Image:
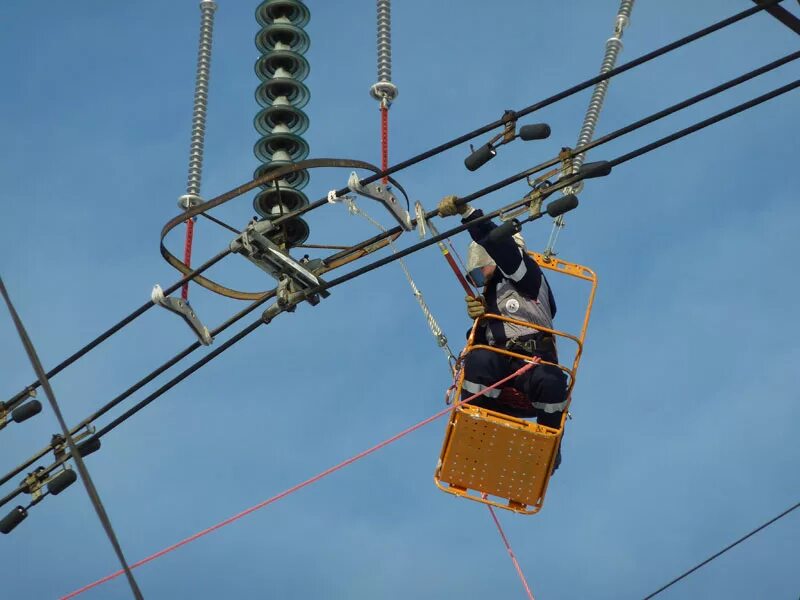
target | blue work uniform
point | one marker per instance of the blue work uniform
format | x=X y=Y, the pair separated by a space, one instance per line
x=519 y=290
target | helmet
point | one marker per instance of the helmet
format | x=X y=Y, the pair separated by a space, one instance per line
x=477 y=258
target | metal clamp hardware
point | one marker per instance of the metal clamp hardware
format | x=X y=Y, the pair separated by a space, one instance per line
x=181 y=308
x=380 y=193
x=34 y=482
x=20 y=410
x=59 y=443
x=422 y=222
x=291 y=275
x=509 y=128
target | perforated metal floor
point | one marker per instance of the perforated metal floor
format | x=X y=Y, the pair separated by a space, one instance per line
x=502 y=456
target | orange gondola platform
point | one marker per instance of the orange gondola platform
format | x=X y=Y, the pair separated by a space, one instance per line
x=501 y=460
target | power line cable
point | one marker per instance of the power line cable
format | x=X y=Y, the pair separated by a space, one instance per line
x=137 y=386
x=307 y=482
x=763 y=5
x=723 y=551
x=484 y=191
x=612 y=136
x=85 y=477
x=114 y=329
x=414 y=248
x=783 y=15
x=546 y=102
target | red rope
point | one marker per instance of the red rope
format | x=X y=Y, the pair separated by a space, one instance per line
x=187 y=255
x=299 y=486
x=384 y=139
x=511 y=553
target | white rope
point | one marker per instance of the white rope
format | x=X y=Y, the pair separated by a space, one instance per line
x=433 y=325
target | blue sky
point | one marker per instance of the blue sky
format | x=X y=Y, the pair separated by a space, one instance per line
x=685 y=409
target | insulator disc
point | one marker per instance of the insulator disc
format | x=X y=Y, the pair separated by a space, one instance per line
x=283 y=33
x=294 y=145
x=267 y=119
x=290 y=233
x=298 y=180
x=296 y=92
x=295 y=11
x=273 y=202
x=294 y=63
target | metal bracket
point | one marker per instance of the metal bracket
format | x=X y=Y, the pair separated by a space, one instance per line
x=34 y=482
x=59 y=443
x=181 y=308
x=380 y=193
x=533 y=206
x=6 y=410
x=422 y=222
x=291 y=275
x=510 y=126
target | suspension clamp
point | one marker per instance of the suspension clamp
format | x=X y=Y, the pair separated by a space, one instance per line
x=180 y=307
x=381 y=193
x=292 y=275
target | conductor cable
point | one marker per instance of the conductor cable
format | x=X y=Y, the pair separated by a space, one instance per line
x=547 y=101
x=19 y=397
x=91 y=490
x=437 y=238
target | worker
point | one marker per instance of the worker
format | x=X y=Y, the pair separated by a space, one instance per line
x=515 y=287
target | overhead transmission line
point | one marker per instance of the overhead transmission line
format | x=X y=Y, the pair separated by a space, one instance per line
x=548 y=101
x=723 y=551
x=55 y=488
x=93 y=441
x=763 y=5
x=783 y=15
x=299 y=297
x=597 y=142
x=311 y=480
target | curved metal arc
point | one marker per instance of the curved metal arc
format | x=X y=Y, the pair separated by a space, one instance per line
x=341 y=258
